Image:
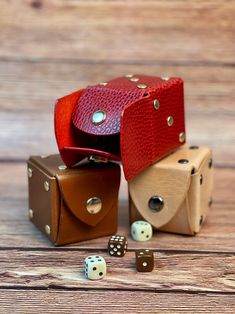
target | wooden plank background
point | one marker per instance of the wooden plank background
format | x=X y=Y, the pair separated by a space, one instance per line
x=51 y=48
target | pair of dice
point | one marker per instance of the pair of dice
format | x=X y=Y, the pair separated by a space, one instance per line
x=95 y=266
x=117 y=246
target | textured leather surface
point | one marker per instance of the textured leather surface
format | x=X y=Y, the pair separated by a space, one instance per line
x=63 y=207
x=185 y=198
x=145 y=134
x=133 y=131
x=111 y=100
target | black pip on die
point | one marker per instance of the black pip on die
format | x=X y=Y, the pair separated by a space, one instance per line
x=95 y=267
x=117 y=245
x=144 y=260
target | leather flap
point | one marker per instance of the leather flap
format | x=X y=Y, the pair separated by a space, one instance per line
x=89 y=181
x=109 y=100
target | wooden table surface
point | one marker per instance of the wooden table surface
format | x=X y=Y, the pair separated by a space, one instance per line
x=51 y=48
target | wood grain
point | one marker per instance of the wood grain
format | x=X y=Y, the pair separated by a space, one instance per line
x=57 y=301
x=172 y=271
x=157 y=31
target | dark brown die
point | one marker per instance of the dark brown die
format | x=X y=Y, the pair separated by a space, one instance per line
x=117 y=245
x=144 y=260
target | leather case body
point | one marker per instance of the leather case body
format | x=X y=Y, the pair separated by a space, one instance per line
x=144 y=121
x=59 y=198
x=183 y=181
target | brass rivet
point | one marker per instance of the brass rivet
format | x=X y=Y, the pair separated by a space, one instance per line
x=156 y=104
x=30 y=172
x=142 y=86
x=201 y=179
x=165 y=78
x=103 y=83
x=210 y=162
x=201 y=220
x=62 y=167
x=129 y=75
x=46 y=186
x=98 y=117
x=210 y=201
x=30 y=213
x=93 y=205
x=170 y=121
x=47 y=229
x=182 y=137
x=134 y=79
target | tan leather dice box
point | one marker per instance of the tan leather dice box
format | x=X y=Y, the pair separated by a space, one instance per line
x=174 y=194
x=72 y=205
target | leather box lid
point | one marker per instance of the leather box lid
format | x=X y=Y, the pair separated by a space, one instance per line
x=82 y=183
x=113 y=98
x=169 y=179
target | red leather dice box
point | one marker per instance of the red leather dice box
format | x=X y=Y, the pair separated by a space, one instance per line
x=135 y=119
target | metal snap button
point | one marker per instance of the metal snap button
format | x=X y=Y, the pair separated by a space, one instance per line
x=183 y=161
x=98 y=117
x=156 y=203
x=93 y=205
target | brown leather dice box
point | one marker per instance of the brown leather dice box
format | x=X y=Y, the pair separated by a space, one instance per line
x=72 y=205
x=175 y=193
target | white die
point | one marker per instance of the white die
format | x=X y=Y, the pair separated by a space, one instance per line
x=141 y=231
x=95 y=267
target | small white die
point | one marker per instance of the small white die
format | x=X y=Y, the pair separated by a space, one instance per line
x=95 y=267
x=141 y=231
